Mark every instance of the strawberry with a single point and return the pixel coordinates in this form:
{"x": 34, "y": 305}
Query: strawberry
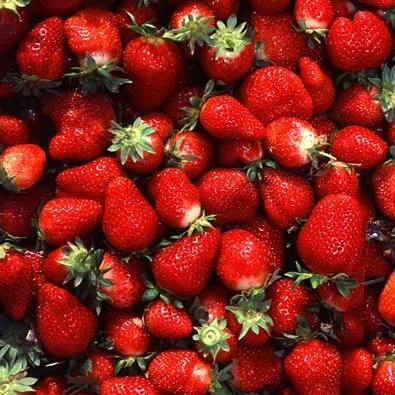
{"x": 49, "y": 8}
{"x": 313, "y": 362}
{"x": 332, "y": 240}
{"x": 256, "y": 368}
{"x": 292, "y": 141}
{"x": 129, "y": 221}
{"x": 350, "y": 331}
{"x": 357, "y": 105}
{"x": 51, "y": 385}
{"x": 383, "y": 379}
{"x": 64, "y": 325}
{"x": 357, "y": 370}
{"x": 285, "y": 197}
{"x": 272, "y": 92}
{"x": 166, "y": 321}
{"x": 213, "y": 301}
{"x": 229, "y": 195}
{"x": 223, "y": 9}
{"x": 191, "y": 151}
{"x": 101, "y": 364}
{"x": 160, "y": 122}
{"x": 15, "y": 282}
{"x": 229, "y": 54}
{"x": 318, "y": 83}
{"x": 128, "y": 385}
{"x": 362, "y": 43}
{"x": 127, "y": 333}
{"x": 127, "y": 286}
{"x": 88, "y": 181}
{"x": 64, "y": 219}
{"x": 21, "y": 166}
{"x": 268, "y": 7}
{"x": 180, "y": 372}
{"x": 82, "y": 125}
{"x": 13, "y": 131}
{"x": 43, "y": 53}
{"x": 386, "y": 301}
{"x": 231, "y": 153}
{"x": 314, "y": 17}
{"x": 279, "y": 43}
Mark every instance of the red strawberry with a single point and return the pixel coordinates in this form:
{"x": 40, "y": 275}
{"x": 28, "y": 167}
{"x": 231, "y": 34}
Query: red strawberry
{"x": 166, "y": 321}
{"x": 231, "y": 153}
{"x": 243, "y": 261}
{"x": 229, "y": 195}
{"x": 191, "y": 151}
{"x": 13, "y": 131}
{"x": 180, "y": 372}
{"x": 313, "y": 362}
{"x": 272, "y": 92}
{"x": 319, "y": 84}
{"x": 332, "y": 240}
{"x": 230, "y": 53}
{"x": 82, "y": 124}
{"x": 386, "y": 301}
{"x": 184, "y": 267}
{"x": 362, "y": 43}
{"x": 50, "y": 385}
{"x": 127, "y": 333}
{"x": 223, "y": 9}
{"x": 89, "y": 180}
{"x": 314, "y": 17}
{"x": 213, "y": 300}
{"x": 64, "y": 219}
{"x": 269, "y": 7}
{"x": 128, "y": 385}
{"x": 21, "y": 166}
{"x": 257, "y": 368}
{"x": 49, "y": 8}
{"x": 16, "y": 281}
{"x": 383, "y": 380}
{"x": 350, "y": 331}
{"x": 127, "y": 285}
{"x": 129, "y": 221}
{"x": 160, "y": 122}
{"x": 357, "y": 370}
{"x": 42, "y": 53}
{"x": 285, "y": 197}
{"x": 64, "y": 326}
{"x": 291, "y": 142}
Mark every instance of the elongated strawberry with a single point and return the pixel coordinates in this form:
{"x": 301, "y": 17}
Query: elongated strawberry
{"x": 65, "y": 327}
{"x": 129, "y": 222}
{"x": 386, "y": 301}
{"x": 64, "y": 219}
{"x": 13, "y": 131}
{"x": 128, "y": 385}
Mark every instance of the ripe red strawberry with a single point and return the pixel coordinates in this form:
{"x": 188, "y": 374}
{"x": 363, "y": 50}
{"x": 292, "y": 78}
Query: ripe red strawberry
{"x": 127, "y": 285}
{"x": 268, "y": 7}
{"x": 383, "y": 380}
{"x": 129, "y": 221}
{"x": 64, "y": 325}
{"x": 128, "y": 385}
{"x": 257, "y": 368}
{"x": 386, "y": 301}
{"x": 280, "y": 43}
{"x": 319, "y": 84}
{"x": 314, "y": 17}
{"x": 16, "y": 281}
{"x": 127, "y": 332}
{"x": 356, "y": 105}
{"x": 21, "y": 166}
{"x": 64, "y": 219}
{"x": 231, "y": 153}
{"x": 243, "y": 261}
{"x": 49, "y": 8}
{"x": 223, "y": 9}
{"x": 89, "y": 180}
{"x": 332, "y": 240}
{"x": 350, "y": 331}
{"x": 42, "y": 53}
{"x": 82, "y": 125}
{"x": 160, "y": 122}
{"x": 50, "y": 385}
{"x": 311, "y": 362}
{"x": 180, "y": 372}
{"x": 184, "y": 267}
{"x": 13, "y": 131}
{"x": 166, "y": 321}
{"x": 272, "y": 92}
{"x": 191, "y": 151}
{"x": 362, "y": 43}
{"x": 230, "y": 53}
{"x": 213, "y": 300}
{"x": 292, "y": 141}
{"x": 229, "y": 195}
{"x": 285, "y": 197}
{"x": 357, "y": 370}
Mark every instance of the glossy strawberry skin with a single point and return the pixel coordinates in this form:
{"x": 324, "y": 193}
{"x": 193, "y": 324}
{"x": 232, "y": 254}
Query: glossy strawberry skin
{"x": 386, "y": 301}
{"x": 53, "y": 270}
{"x": 102, "y": 365}
{"x": 383, "y": 181}
{"x": 231, "y": 153}
{"x": 316, "y": 14}
{"x": 12, "y": 28}
{"x": 383, "y": 379}
{"x": 129, "y": 385}
{"x": 13, "y": 131}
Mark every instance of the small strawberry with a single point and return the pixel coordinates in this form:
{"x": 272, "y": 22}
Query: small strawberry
{"x": 231, "y": 153}
{"x": 64, "y": 326}
{"x": 64, "y": 219}
{"x": 13, "y": 131}
{"x": 128, "y": 385}
{"x": 229, "y": 195}
{"x": 268, "y": 7}
{"x": 129, "y": 221}
{"x": 383, "y": 380}
{"x": 386, "y": 301}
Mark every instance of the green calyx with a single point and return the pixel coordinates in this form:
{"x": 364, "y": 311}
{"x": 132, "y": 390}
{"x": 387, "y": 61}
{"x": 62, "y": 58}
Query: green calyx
{"x": 147, "y": 29}
{"x": 92, "y": 77}
{"x": 255, "y": 168}
{"x": 316, "y": 36}
{"x": 212, "y": 337}
{"x": 7, "y": 181}
{"x": 13, "y": 5}
{"x": 201, "y": 224}
{"x": 13, "y": 378}
{"x": 174, "y": 157}
{"x": 133, "y": 141}
{"x": 31, "y": 85}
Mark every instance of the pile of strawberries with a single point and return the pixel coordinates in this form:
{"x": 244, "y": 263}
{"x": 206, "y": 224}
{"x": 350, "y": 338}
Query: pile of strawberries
{"x": 197, "y": 197}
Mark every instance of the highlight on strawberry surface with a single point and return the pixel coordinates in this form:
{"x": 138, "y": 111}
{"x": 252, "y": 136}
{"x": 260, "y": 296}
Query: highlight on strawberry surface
{"x": 197, "y": 197}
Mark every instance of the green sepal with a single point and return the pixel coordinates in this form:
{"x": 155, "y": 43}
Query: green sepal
{"x": 7, "y": 181}
{"x": 30, "y": 85}
{"x": 128, "y": 362}
{"x": 174, "y": 158}
{"x": 13, "y": 5}
{"x": 147, "y": 29}
{"x": 254, "y": 169}
{"x": 201, "y": 224}
{"x": 13, "y": 378}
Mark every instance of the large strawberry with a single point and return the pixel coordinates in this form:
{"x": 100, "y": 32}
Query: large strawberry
{"x": 128, "y": 385}
{"x": 386, "y": 301}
